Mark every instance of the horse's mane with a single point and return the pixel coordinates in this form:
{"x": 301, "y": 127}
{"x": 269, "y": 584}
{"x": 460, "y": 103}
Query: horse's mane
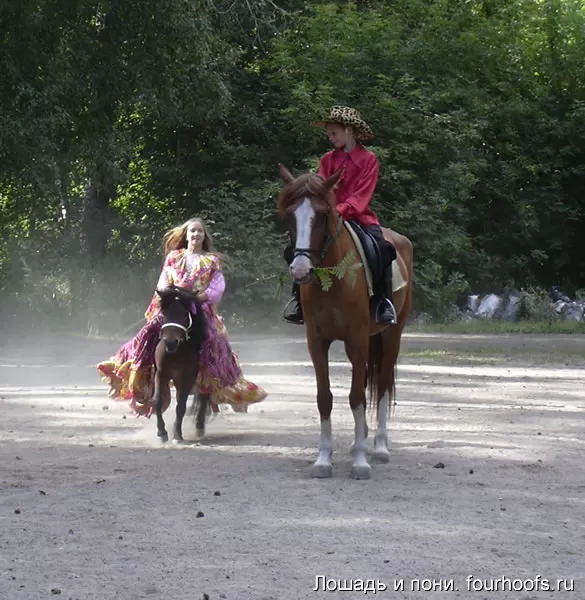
{"x": 309, "y": 185}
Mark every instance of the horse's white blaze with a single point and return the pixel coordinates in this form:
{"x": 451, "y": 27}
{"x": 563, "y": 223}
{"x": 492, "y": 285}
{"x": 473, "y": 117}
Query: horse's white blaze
{"x": 304, "y": 215}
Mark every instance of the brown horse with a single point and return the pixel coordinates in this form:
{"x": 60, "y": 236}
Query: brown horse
{"x": 343, "y": 313}
{"x": 176, "y": 358}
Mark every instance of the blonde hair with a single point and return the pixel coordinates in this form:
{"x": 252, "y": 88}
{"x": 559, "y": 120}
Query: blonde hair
{"x": 176, "y": 238}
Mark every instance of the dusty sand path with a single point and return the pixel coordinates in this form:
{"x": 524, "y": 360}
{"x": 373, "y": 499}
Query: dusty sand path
{"x": 92, "y": 508}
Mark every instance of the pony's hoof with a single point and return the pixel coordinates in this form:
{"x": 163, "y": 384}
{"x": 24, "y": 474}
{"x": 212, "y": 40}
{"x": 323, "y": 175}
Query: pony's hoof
{"x": 163, "y": 437}
{"x": 321, "y": 471}
{"x": 361, "y": 471}
{"x": 178, "y": 441}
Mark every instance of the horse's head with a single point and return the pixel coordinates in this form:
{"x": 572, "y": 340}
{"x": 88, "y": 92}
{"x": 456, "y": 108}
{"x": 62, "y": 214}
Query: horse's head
{"x": 308, "y": 204}
{"x": 183, "y": 317}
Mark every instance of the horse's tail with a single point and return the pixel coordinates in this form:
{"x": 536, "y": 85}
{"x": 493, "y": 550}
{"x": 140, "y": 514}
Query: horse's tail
{"x": 375, "y": 356}
{"x": 375, "y": 353}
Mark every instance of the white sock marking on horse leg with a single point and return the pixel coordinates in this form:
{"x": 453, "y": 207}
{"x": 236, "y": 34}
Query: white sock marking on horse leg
{"x": 381, "y": 440}
{"x": 323, "y": 466}
{"x": 360, "y": 468}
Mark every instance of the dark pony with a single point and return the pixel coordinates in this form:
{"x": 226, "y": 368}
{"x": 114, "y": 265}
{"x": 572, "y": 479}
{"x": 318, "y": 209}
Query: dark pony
{"x": 342, "y": 312}
{"x": 176, "y": 357}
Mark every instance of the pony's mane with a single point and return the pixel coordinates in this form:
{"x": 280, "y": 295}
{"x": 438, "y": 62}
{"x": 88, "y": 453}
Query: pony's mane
{"x": 308, "y": 185}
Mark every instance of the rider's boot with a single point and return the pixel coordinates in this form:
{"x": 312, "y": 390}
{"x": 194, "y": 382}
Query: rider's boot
{"x": 384, "y": 311}
{"x": 293, "y": 312}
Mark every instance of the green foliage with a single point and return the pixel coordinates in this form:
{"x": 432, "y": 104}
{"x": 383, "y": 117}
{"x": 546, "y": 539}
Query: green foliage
{"x": 120, "y": 119}
{"x": 346, "y": 268}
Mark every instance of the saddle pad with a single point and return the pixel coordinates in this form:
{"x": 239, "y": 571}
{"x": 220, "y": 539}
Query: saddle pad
{"x": 398, "y": 281}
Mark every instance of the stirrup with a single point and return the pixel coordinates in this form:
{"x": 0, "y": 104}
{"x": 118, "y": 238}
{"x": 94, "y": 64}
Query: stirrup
{"x": 294, "y": 313}
{"x": 385, "y": 312}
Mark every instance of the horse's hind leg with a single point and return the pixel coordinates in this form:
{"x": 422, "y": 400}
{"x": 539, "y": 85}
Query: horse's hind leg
{"x": 202, "y": 414}
{"x": 381, "y": 451}
{"x": 391, "y": 345}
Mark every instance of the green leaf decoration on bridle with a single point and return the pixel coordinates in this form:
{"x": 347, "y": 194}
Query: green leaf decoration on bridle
{"x": 347, "y": 267}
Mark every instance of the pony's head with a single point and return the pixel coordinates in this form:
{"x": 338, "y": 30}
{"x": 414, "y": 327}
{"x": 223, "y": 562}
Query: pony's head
{"x": 308, "y": 204}
{"x": 182, "y": 318}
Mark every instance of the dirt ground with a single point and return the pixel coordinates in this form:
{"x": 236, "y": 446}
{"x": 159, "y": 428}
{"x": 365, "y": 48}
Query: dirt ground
{"x": 484, "y": 495}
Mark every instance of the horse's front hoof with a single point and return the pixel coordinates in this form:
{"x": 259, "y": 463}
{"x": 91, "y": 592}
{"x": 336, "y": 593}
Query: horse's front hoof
{"x": 361, "y": 471}
{"x": 163, "y": 437}
{"x": 178, "y": 441}
{"x": 321, "y": 471}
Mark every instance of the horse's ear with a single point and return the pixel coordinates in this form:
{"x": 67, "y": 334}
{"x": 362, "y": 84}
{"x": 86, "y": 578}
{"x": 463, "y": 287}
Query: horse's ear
{"x": 333, "y": 179}
{"x": 285, "y": 174}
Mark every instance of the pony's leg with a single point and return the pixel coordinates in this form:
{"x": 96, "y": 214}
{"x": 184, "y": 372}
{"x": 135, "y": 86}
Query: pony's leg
{"x": 183, "y": 391}
{"x": 357, "y": 354}
{"x": 319, "y": 351}
{"x": 202, "y": 414}
{"x": 157, "y": 399}
{"x": 190, "y": 410}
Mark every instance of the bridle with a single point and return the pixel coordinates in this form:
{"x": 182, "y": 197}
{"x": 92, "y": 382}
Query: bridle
{"x": 184, "y": 329}
{"x": 327, "y": 242}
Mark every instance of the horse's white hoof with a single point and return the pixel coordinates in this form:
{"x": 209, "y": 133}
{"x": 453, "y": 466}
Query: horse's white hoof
{"x": 321, "y": 471}
{"x": 381, "y": 455}
{"x": 178, "y": 442}
{"x": 361, "y": 471}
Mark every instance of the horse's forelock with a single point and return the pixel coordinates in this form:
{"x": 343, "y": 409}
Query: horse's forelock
{"x": 309, "y": 185}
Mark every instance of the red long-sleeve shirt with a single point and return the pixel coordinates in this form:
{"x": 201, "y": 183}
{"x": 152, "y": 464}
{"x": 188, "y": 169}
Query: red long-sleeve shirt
{"x": 356, "y": 185}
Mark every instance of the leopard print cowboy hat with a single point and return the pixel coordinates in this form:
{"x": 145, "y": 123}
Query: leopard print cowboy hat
{"x": 344, "y": 115}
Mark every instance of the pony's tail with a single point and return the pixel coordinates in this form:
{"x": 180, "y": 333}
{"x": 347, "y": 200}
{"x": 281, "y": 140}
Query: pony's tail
{"x": 375, "y": 352}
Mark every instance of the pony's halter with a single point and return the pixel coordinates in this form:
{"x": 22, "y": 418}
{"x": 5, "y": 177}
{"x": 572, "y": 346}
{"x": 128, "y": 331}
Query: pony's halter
{"x": 329, "y": 240}
{"x": 184, "y": 329}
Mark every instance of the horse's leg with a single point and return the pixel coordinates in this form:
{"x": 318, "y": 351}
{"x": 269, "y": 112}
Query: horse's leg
{"x": 352, "y": 445}
{"x": 202, "y": 414}
{"x": 357, "y": 352}
{"x": 391, "y": 348}
{"x": 190, "y": 410}
{"x": 319, "y": 351}
{"x": 160, "y": 383}
{"x": 183, "y": 391}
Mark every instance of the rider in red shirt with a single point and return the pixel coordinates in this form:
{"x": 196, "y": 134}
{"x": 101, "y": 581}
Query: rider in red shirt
{"x": 355, "y": 188}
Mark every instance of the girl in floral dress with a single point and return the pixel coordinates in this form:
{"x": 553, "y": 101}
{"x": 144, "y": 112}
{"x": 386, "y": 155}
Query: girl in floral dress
{"x": 191, "y": 263}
